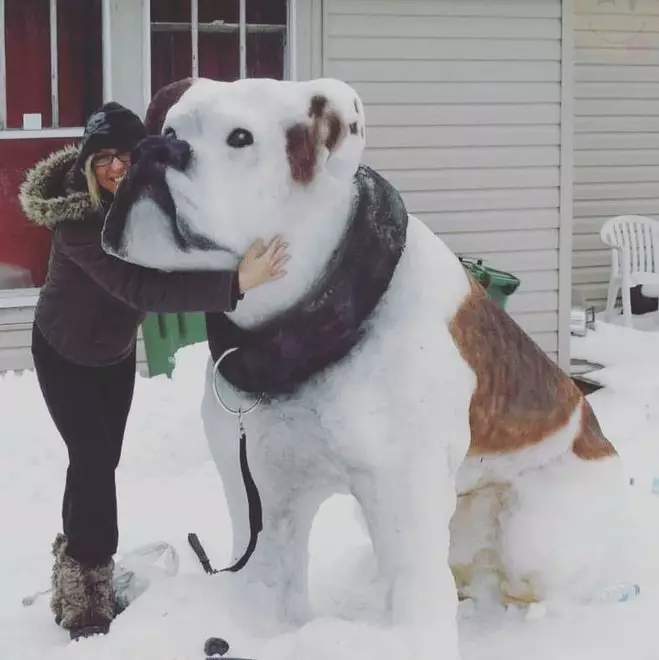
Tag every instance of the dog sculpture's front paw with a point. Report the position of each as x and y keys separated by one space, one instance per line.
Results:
x=335 y=639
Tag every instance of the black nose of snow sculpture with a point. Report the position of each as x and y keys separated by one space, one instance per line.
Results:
x=162 y=150
x=146 y=176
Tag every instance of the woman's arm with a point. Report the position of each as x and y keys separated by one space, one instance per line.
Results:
x=146 y=289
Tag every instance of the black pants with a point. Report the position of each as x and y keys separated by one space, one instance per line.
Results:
x=89 y=406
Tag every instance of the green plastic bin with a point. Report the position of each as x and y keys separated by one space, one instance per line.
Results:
x=164 y=334
x=498 y=284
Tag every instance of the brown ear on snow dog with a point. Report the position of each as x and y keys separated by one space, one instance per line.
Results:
x=162 y=101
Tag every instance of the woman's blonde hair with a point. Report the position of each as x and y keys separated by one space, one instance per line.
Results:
x=92 y=182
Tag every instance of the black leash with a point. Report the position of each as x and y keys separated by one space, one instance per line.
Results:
x=255 y=514
x=195 y=544
x=253 y=502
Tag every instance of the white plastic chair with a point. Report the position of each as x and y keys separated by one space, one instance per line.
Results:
x=634 y=241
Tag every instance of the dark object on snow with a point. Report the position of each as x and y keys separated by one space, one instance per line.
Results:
x=586 y=385
x=216 y=646
x=642 y=304
x=89 y=631
x=195 y=544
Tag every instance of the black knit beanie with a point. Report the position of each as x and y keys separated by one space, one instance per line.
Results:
x=112 y=126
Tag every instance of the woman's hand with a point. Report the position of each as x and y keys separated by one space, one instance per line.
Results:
x=261 y=264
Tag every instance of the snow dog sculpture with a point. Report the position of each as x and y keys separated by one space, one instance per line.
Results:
x=385 y=371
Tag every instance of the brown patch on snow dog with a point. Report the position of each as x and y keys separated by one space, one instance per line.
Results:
x=302 y=140
x=591 y=443
x=521 y=396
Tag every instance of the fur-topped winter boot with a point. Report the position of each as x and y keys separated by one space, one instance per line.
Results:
x=83 y=598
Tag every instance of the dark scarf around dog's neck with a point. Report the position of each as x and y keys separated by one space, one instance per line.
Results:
x=276 y=358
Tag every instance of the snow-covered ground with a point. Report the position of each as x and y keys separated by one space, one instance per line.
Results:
x=168 y=487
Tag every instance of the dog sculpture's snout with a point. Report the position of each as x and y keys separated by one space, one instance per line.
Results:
x=163 y=150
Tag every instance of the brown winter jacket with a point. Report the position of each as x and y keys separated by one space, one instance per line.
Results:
x=91 y=304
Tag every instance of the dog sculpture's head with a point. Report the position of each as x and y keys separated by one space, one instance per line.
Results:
x=231 y=162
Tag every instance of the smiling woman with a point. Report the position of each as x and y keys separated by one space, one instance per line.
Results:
x=84 y=345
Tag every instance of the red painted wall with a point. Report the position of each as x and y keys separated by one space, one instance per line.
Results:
x=22 y=245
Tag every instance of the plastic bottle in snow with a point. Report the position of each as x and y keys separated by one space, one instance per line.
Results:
x=618 y=593
x=134 y=571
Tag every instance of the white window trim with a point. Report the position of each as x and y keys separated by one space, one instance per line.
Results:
x=54 y=66
x=194 y=21
x=243 y=38
x=106 y=39
x=146 y=52
x=182 y=26
x=566 y=206
x=54 y=131
x=19 y=298
x=21 y=134
x=3 y=69
x=290 y=66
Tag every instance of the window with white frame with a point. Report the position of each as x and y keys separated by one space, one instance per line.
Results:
x=50 y=80
x=223 y=40
x=51 y=72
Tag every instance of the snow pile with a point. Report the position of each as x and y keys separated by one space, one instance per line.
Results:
x=628 y=407
x=168 y=487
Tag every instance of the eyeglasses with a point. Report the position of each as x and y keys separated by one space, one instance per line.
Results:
x=104 y=160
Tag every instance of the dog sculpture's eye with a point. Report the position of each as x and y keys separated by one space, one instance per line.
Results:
x=239 y=138
x=170 y=133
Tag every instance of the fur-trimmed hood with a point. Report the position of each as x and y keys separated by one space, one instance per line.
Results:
x=47 y=195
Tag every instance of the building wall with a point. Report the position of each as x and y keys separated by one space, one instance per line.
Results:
x=126 y=80
x=463 y=106
x=616 y=128
x=16 y=316
x=125 y=84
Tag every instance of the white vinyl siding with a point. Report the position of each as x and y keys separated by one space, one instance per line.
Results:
x=463 y=110
x=16 y=316
x=616 y=128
